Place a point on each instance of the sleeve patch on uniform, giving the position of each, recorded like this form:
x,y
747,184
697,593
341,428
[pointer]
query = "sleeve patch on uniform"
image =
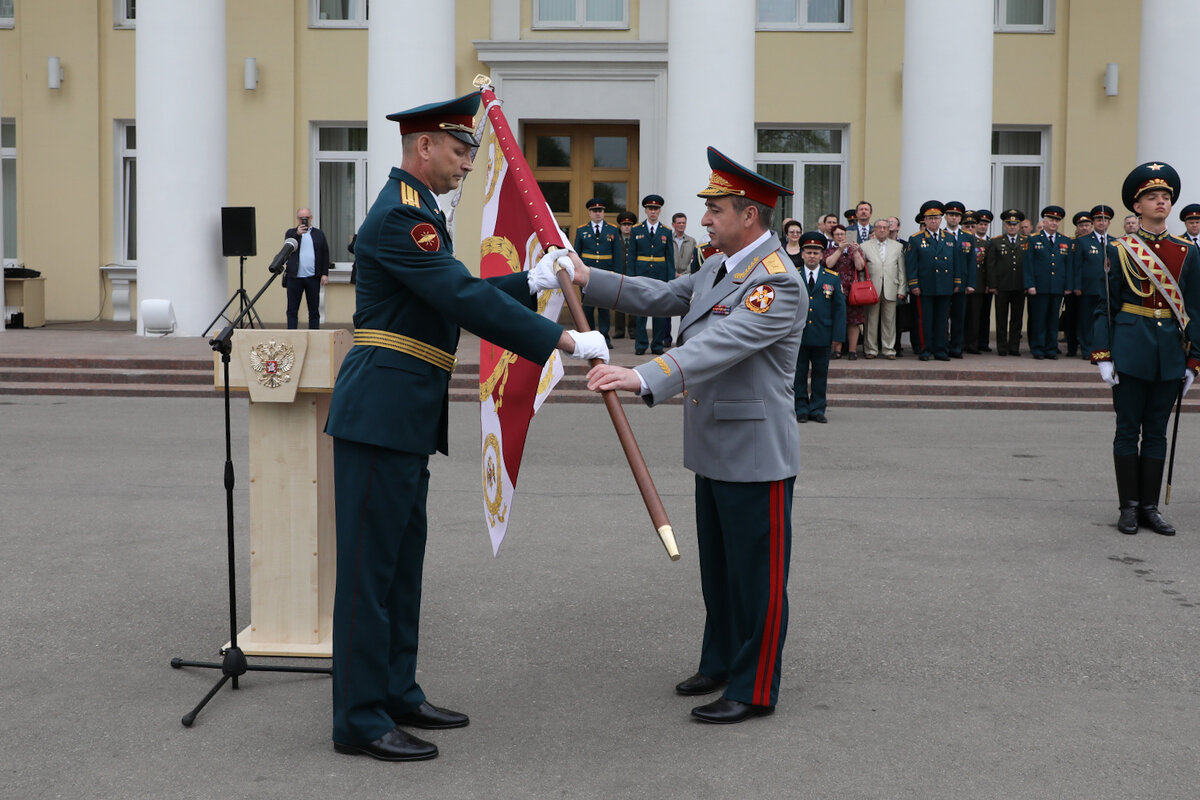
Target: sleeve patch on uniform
x,y
760,299
774,264
426,237
662,364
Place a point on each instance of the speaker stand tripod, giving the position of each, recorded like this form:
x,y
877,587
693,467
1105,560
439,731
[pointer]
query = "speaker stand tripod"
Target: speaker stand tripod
x,y
233,663
247,316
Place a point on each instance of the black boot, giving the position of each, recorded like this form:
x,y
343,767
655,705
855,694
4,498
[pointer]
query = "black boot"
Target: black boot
x,y
1150,473
1127,492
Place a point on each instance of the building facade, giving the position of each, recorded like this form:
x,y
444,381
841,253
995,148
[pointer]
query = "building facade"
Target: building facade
x,y
125,127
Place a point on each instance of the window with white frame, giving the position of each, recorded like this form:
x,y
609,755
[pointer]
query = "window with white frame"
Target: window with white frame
x,y
812,163
125,193
807,15
8,189
1025,16
6,13
580,14
338,13
1020,169
339,177
124,13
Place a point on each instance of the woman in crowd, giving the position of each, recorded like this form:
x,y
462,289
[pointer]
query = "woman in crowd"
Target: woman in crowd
x,y
846,259
791,241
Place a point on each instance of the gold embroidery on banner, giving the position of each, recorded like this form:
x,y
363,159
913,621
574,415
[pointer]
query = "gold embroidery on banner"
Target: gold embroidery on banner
x,y
499,376
495,164
498,244
548,370
273,363
493,483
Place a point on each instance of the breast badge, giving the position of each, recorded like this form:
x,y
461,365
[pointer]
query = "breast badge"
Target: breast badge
x,y
272,362
760,299
426,237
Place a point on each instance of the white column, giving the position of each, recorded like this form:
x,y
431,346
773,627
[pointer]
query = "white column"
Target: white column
x,y
701,112
1167,126
182,158
945,149
410,62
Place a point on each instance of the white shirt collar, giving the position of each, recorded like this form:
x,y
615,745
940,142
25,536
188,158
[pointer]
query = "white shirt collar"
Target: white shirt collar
x,y
741,255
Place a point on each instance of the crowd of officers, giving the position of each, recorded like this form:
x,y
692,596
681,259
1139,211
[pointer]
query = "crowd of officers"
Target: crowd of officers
x,y
1036,279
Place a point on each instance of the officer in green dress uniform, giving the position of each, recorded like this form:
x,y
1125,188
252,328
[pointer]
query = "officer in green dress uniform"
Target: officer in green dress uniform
x,y
652,255
622,322
826,324
596,243
977,330
931,264
743,315
963,239
1069,319
1091,264
1145,337
1004,270
1190,217
1049,273
389,412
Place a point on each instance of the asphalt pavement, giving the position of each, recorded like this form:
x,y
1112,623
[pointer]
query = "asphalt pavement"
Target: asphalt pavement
x,y
966,622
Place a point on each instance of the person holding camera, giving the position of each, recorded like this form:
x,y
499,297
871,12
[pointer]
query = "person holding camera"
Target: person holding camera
x,y
307,270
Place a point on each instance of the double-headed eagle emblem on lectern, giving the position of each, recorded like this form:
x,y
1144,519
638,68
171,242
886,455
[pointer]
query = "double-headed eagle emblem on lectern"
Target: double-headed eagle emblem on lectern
x,y
272,362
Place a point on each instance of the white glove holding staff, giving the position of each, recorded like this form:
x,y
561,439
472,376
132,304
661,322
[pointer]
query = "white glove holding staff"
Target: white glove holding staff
x,y
1107,373
543,276
589,345
1188,378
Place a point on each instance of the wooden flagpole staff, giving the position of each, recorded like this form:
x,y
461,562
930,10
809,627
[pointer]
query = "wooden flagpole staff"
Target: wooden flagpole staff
x,y
550,238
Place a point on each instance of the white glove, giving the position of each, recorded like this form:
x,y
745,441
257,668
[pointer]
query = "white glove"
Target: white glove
x,y
1188,378
589,345
1107,373
544,276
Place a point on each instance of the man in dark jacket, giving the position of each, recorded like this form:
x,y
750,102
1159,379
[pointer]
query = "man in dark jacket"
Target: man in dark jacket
x,y
307,270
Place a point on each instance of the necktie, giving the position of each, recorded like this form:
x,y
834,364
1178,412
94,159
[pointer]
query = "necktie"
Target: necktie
x,y
720,274
597,231
812,283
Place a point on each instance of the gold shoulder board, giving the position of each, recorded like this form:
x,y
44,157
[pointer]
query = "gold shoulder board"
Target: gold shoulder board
x,y
774,264
409,196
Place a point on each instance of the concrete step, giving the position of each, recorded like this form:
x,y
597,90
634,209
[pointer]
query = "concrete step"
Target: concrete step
x,y
115,374
108,389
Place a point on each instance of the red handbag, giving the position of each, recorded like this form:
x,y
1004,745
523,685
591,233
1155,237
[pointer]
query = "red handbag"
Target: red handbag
x,y
862,293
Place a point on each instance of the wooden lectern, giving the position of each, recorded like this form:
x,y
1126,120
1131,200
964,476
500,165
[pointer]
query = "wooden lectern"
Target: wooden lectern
x,y
293,546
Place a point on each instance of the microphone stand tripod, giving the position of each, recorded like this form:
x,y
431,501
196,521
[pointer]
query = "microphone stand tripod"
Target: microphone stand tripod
x,y
246,309
233,663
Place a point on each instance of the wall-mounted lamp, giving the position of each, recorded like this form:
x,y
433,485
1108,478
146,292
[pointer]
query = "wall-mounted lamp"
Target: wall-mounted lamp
x,y
251,74
1112,74
54,72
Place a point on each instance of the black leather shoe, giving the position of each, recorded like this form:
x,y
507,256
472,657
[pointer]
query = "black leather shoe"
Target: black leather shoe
x,y
431,718
956,355
1038,357
1150,517
618,335
395,745
726,712
1128,521
924,357
818,418
699,684
658,351
1052,356
639,351
802,418
941,358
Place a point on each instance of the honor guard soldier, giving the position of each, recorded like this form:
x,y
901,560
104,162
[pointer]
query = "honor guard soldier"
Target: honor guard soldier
x,y
1092,266
596,243
1049,274
931,264
826,324
623,246
977,330
1069,321
743,316
389,412
964,272
1145,335
1190,216
653,256
1005,281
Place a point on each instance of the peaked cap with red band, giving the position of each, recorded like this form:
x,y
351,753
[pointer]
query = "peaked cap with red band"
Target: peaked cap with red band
x,y
455,117
730,178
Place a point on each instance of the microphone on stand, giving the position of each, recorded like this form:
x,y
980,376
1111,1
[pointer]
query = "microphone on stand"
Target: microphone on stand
x,y
289,246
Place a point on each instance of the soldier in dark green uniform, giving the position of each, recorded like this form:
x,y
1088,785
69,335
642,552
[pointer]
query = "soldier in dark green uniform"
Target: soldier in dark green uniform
x,y
389,412
930,264
963,239
826,324
1145,332
979,304
1006,282
1091,264
652,255
1069,319
1049,273
596,243
622,322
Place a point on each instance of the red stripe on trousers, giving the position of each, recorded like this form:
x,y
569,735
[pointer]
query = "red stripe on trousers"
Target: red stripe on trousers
x,y
920,328
770,638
